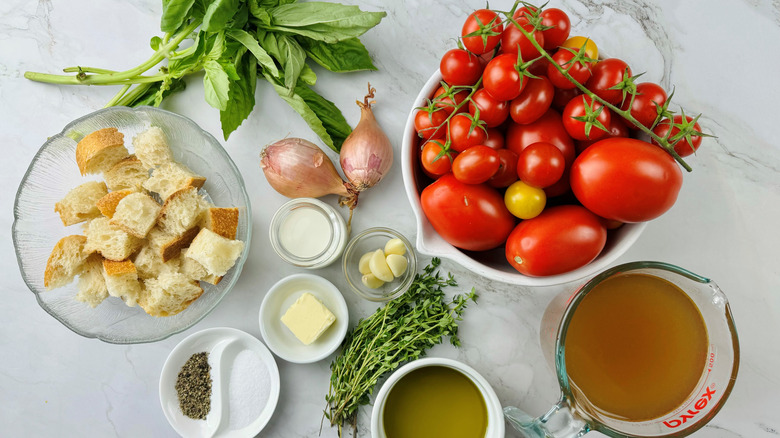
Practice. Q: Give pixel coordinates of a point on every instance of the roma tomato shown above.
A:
(548, 128)
(605, 75)
(683, 147)
(513, 41)
(584, 106)
(459, 67)
(524, 201)
(484, 28)
(470, 217)
(450, 103)
(433, 160)
(491, 111)
(501, 78)
(649, 98)
(464, 133)
(626, 180)
(540, 165)
(578, 70)
(533, 101)
(617, 128)
(559, 24)
(507, 169)
(495, 139)
(559, 240)
(475, 165)
(430, 124)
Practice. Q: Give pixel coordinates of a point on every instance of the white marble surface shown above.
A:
(721, 55)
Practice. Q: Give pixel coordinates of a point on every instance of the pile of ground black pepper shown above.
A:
(194, 386)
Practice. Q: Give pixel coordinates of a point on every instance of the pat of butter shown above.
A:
(308, 318)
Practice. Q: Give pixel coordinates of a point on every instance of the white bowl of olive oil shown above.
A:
(436, 397)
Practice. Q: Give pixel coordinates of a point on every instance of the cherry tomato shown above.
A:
(533, 101)
(649, 98)
(507, 169)
(559, 240)
(491, 111)
(459, 67)
(468, 216)
(579, 71)
(548, 128)
(447, 103)
(560, 26)
(475, 165)
(540, 165)
(487, 37)
(495, 139)
(513, 41)
(463, 133)
(501, 78)
(524, 201)
(562, 97)
(580, 106)
(683, 147)
(626, 180)
(429, 124)
(617, 128)
(433, 161)
(576, 42)
(605, 75)
(561, 187)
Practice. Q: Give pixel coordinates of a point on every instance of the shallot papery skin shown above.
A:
(367, 154)
(297, 168)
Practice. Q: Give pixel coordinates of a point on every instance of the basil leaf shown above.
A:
(259, 53)
(218, 14)
(216, 84)
(333, 15)
(215, 46)
(174, 14)
(150, 95)
(308, 76)
(294, 60)
(329, 114)
(241, 95)
(344, 56)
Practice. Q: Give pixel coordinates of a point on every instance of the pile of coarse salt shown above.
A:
(249, 389)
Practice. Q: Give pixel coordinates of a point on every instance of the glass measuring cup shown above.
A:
(574, 415)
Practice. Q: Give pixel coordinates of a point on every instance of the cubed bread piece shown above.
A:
(172, 177)
(66, 260)
(136, 213)
(79, 204)
(110, 241)
(150, 264)
(168, 294)
(223, 221)
(195, 271)
(100, 150)
(128, 173)
(168, 245)
(151, 147)
(181, 211)
(107, 204)
(214, 252)
(122, 280)
(92, 285)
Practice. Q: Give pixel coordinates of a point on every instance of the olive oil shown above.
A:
(635, 348)
(435, 401)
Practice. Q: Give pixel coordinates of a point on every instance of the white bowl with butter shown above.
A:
(304, 318)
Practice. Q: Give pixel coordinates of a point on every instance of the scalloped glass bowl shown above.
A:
(491, 264)
(37, 227)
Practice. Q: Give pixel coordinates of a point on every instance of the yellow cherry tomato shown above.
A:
(576, 42)
(524, 201)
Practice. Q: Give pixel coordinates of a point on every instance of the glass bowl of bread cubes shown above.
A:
(131, 225)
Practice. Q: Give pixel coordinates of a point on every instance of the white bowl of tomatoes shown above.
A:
(523, 180)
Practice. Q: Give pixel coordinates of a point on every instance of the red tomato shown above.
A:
(533, 101)
(475, 165)
(495, 139)
(626, 180)
(560, 27)
(683, 147)
(548, 128)
(447, 103)
(513, 41)
(463, 133)
(491, 111)
(579, 107)
(485, 28)
(540, 165)
(468, 216)
(649, 98)
(507, 169)
(605, 75)
(559, 188)
(617, 128)
(578, 70)
(459, 67)
(433, 161)
(429, 124)
(559, 240)
(501, 78)
(562, 97)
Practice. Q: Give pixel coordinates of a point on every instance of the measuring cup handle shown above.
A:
(559, 422)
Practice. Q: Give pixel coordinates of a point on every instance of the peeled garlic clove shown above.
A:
(378, 266)
(363, 263)
(370, 281)
(395, 246)
(397, 264)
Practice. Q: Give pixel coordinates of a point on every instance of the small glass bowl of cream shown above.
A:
(308, 233)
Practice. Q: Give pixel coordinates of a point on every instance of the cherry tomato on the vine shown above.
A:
(524, 201)
(495, 138)
(450, 103)
(501, 78)
(648, 99)
(579, 71)
(548, 128)
(576, 42)
(560, 26)
(429, 124)
(514, 41)
(584, 106)
(540, 165)
(475, 165)
(507, 169)
(487, 27)
(606, 74)
(464, 133)
(683, 147)
(533, 101)
(491, 111)
(459, 67)
(433, 161)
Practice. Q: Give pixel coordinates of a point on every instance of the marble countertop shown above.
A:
(718, 54)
